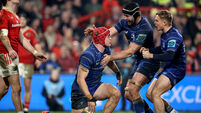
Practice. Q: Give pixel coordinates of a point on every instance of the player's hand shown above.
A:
(89, 30)
(143, 49)
(105, 60)
(40, 57)
(146, 54)
(38, 63)
(12, 54)
(119, 82)
(92, 107)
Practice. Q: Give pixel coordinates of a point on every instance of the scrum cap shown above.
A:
(132, 9)
(99, 35)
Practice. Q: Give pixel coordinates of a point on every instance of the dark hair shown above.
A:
(2, 3)
(165, 15)
(23, 15)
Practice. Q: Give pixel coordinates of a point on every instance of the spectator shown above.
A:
(93, 6)
(65, 20)
(51, 64)
(66, 61)
(192, 64)
(47, 18)
(53, 91)
(199, 56)
(76, 51)
(197, 40)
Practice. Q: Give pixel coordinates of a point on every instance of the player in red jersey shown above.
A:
(26, 60)
(10, 36)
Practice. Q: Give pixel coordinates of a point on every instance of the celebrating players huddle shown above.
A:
(87, 87)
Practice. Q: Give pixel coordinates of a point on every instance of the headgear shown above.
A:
(99, 35)
(132, 9)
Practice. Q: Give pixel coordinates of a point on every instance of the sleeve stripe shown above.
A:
(4, 32)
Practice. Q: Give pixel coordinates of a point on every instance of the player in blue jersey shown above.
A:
(87, 86)
(172, 53)
(139, 33)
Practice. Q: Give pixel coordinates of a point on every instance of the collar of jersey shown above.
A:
(94, 47)
(5, 8)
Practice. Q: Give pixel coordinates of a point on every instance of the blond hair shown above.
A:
(165, 15)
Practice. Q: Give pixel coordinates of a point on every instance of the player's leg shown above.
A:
(168, 107)
(143, 72)
(79, 102)
(4, 85)
(162, 85)
(27, 96)
(108, 91)
(14, 82)
(27, 75)
(10, 71)
(133, 88)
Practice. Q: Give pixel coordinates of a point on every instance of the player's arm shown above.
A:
(168, 55)
(113, 31)
(82, 74)
(133, 47)
(6, 42)
(26, 44)
(112, 65)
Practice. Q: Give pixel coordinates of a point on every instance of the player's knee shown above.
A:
(16, 89)
(117, 94)
(5, 89)
(155, 94)
(127, 95)
(148, 95)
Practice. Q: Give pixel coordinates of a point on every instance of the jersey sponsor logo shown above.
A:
(141, 37)
(171, 43)
(16, 25)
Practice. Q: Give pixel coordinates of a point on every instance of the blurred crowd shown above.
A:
(59, 25)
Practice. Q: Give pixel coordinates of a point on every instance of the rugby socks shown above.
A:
(147, 108)
(170, 109)
(26, 106)
(20, 112)
(139, 105)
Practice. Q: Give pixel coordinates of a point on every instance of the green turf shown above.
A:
(70, 112)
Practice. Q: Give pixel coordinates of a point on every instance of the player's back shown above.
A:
(10, 21)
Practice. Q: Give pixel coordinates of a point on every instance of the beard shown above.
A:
(130, 23)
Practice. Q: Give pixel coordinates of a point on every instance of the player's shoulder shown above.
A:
(3, 13)
(89, 53)
(174, 33)
(31, 29)
(123, 22)
(145, 25)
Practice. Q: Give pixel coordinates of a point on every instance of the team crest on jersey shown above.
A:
(28, 34)
(171, 43)
(133, 36)
(141, 37)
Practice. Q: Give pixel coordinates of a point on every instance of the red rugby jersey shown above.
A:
(25, 56)
(11, 22)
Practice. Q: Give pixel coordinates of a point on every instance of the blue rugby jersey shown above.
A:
(173, 41)
(91, 59)
(141, 34)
